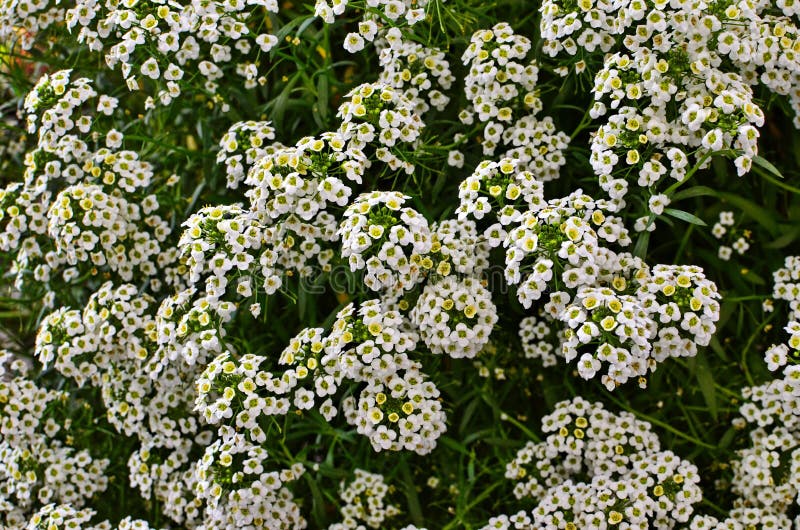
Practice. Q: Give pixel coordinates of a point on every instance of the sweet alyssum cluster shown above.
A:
(596, 469)
(676, 87)
(766, 473)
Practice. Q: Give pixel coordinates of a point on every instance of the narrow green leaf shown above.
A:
(786, 239)
(727, 438)
(467, 415)
(640, 249)
(284, 31)
(685, 216)
(780, 184)
(718, 349)
(307, 22)
(705, 379)
(322, 97)
(414, 507)
(766, 164)
(694, 191)
(318, 501)
(454, 445)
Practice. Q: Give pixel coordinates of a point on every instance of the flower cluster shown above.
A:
(80, 210)
(158, 43)
(617, 330)
(220, 333)
(787, 284)
(387, 239)
(377, 113)
(731, 237)
(455, 317)
(242, 146)
(499, 190)
(558, 244)
(36, 467)
(502, 80)
(241, 392)
(536, 334)
(399, 12)
(686, 306)
(458, 248)
(364, 501)
(398, 412)
(422, 74)
(396, 407)
(767, 472)
(670, 93)
(240, 492)
(596, 469)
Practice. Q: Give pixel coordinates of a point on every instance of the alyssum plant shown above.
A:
(186, 185)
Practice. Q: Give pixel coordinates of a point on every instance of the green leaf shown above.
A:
(279, 105)
(766, 164)
(727, 438)
(786, 239)
(694, 191)
(752, 277)
(284, 31)
(322, 98)
(718, 349)
(685, 216)
(640, 249)
(318, 501)
(450, 443)
(414, 507)
(780, 184)
(705, 379)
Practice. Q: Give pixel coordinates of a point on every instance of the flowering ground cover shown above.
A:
(399, 264)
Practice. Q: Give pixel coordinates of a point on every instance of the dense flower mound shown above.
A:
(399, 264)
(626, 478)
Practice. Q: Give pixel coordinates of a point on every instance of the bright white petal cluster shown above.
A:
(455, 317)
(365, 501)
(787, 284)
(596, 469)
(400, 412)
(245, 143)
(386, 239)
